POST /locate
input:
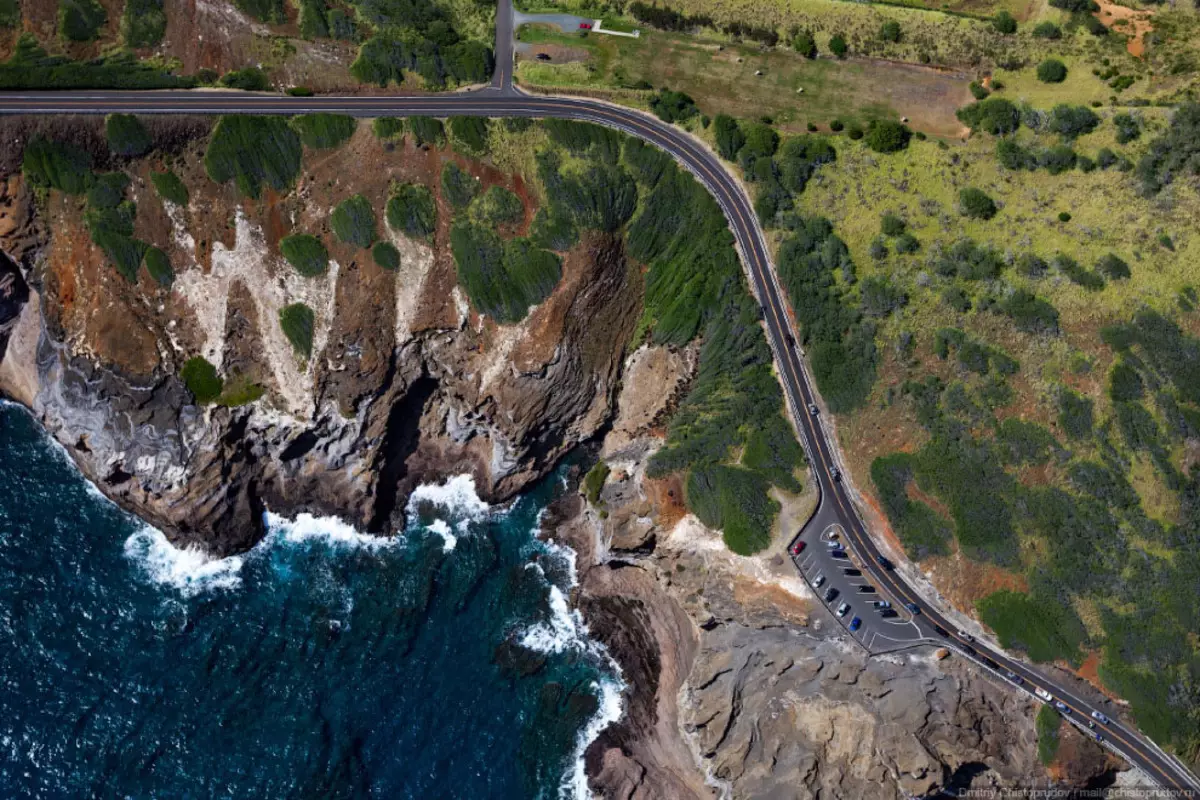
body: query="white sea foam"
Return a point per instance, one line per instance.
(331, 530)
(456, 497)
(188, 570)
(574, 784)
(442, 529)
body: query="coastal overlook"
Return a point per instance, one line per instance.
(793, 402)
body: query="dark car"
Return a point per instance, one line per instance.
(887, 613)
(838, 554)
(851, 571)
(542, 57)
(971, 651)
(855, 624)
(1014, 677)
(990, 663)
(866, 589)
(941, 631)
(883, 562)
(913, 608)
(830, 593)
(837, 474)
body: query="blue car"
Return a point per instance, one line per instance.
(913, 607)
(855, 624)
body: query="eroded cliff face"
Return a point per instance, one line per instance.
(406, 383)
(738, 686)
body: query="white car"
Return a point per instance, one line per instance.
(843, 609)
(1096, 715)
(817, 581)
(1042, 693)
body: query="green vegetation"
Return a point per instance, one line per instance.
(497, 206)
(248, 79)
(419, 39)
(411, 210)
(253, 150)
(673, 106)
(1052, 71)
(976, 204)
(353, 221)
(143, 23)
(1173, 154)
(170, 187)
(159, 266)
(593, 482)
(503, 279)
(324, 131)
(31, 67)
(1039, 625)
(471, 133)
(263, 10)
(386, 256)
(387, 127)
(10, 13)
(887, 136)
(56, 165)
(305, 253)
(993, 115)
(202, 380)
(922, 531)
(126, 135)
(298, 323)
(890, 31)
(427, 131)
(107, 190)
(458, 187)
(735, 501)
(80, 20)
(1049, 725)
(1004, 22)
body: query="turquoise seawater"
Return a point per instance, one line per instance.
(322, 664)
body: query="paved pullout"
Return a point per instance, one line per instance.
(502, 99)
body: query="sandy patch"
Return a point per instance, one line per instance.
(1134, 23)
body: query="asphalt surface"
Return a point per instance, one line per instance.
(834, 510)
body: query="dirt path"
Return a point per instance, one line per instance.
(1131, 22)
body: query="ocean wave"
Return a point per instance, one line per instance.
(441, 528)
(456, 498)
(611, 708)
(189, 570)
(329, 530)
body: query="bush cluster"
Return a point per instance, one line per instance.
(251, 151)
(353, 221)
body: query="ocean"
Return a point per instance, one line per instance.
(324, 663)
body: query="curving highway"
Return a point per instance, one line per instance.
(502, 99)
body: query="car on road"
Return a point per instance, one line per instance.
(866, 588)
(965, 636)
(883, 562)
(1099, 738)
(913, 608)
(797, 547)
(837, 474)
(542, 57)
(881, 604)
(1062, 707)
(1014, 677)
(1096, 715)
(1043, 694)
(991, 664)
(855, 624)
(851, 572)
(941, 631)
(817, 581)
(830, 593)
(843, 608)
(812, 409)
(839, 554)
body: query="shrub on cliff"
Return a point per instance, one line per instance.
(170, 187)
(497, 206)
(412, 211)
(305, 253)
(57, 165)
(298, 322)
(159, 266)
(143, 23)
(458, 187)
(248, 79)
(353, 221)
(427, 131)
(1048, 725)
(471, 133)
(126, 135)
(201, 379)
(386, 256)
(502, 279)
(324, 131)
(253, 150)
(80, 20)
(734, 500)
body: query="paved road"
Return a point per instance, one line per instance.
(501, 99)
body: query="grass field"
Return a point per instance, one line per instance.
(721, 77)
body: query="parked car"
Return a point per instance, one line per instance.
(1062, 707)
(855, 624)
(1014, 677)
(881, 604)
(866, 589)
(883, 562)
(840, 554)
(1096, 715)
(990, 664)
(837, 474)
(965, 636)
(542, 57)
(830, 593)
(585, 26)
(817, 581)
(941, 631)
(797, 547)
(851, 571)
(843, 608)
(1099, 738)
(833, 544)
(888, 613)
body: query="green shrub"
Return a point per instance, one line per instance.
(672, 106)
(427, 131)
(1125, 384)
(324, 131)
(1049, 724)
(978, 90)
(387, 127)
(907, 243)
(1047, 30)
(1004, 22)
(922, 531)
(305, 253)
(202, 380)
(837, 45)
(107, 190)
(471, 133)
(887, 136)
(263, 10)
(353, 221)
(1068, 266)
(1128, 128)
(1176, 153)
(993, 115)
(804, 44)
(80, 20)
(248, 79)
(1052, 71)
(593, 482)
(735, 501)
(411, 210)
(143, 23)
(298, 323)
(386, 256)
(890, 31)
(497, 206)
(1064, 216)
(1113, 267)
(1071, 122)
(458, 187)
(502, 279)
(1043, 627)
(553, 231)
(1075, 415)
(57, 165)
(891, 225)
(252, 151)
(298, 91)
(429, 47)
(31, 67)
(1058, 159)
(170, 187)
(126, 135)
(159, 266)
(1031, 313)
(729, 136)
(976, 204)
(10, 13)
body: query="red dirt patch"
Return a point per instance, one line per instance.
(1133, 23)
(964, 581)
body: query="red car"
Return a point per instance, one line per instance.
(797, 547)
(585, 26)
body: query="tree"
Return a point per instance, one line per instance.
(1047, 30)
(976, 204)
(890, 31)
(672, 106)
(1071, 122)
(1004, 22)
(126, 135)
(891, 225)
(728, 135)
(1052, 71)
(201, 379)
(837, 45)
(993, 115)
(353, 221)
(804, 44)
(887, 136)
